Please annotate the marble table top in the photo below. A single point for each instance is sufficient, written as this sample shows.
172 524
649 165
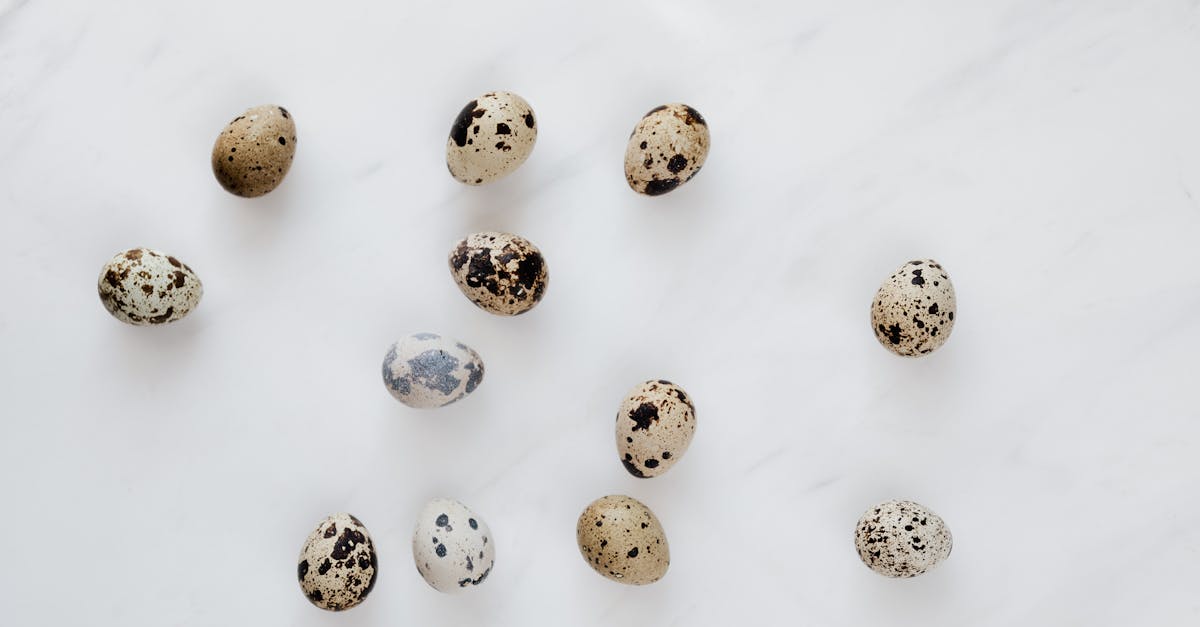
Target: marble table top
1046 153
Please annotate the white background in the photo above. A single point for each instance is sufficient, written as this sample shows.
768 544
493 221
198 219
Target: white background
1046 153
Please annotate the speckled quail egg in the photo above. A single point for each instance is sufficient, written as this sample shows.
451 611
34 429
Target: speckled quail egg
452 546
254 152
143 286
621 538
913 311
492 136
655 425
502 273
902 539
667 148
337 564
426 370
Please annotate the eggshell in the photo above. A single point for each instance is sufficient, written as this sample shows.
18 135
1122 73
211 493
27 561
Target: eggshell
338 566
254 152
913 311
502 273
655 425
426 370
902 539
145 287
620 538
667 148
452 546
492 136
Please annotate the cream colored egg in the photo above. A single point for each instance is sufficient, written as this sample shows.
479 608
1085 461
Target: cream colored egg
427 370
491 137
337 565
913 311
902 539
452 546
655 424
142 286
667 148
501 273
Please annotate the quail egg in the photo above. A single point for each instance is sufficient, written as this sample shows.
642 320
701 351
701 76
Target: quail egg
667 148
621 539
655 425
452 546
338 566
501 273
254 151
913 311
492 136
902 539
426 370
143 287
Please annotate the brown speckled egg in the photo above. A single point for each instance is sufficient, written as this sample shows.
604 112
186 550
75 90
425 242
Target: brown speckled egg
143 286
620 538
254 152
338 567
502 273
655 425
667 148
902 539
913 311
492 136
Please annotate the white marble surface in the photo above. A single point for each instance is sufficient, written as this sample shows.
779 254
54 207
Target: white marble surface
1047 153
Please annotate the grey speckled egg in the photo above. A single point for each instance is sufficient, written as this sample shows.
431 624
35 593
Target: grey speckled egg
143 286
452 546
655 425
502 273
913 311
426 370
492 136
337 564
902 539
620 538
667 148
254 152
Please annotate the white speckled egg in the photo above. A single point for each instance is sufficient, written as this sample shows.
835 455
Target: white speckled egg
621 538
254 152
902 539
655 425
492 136
913 311
337 564
452 546
426 370
143 286
667 148
501 273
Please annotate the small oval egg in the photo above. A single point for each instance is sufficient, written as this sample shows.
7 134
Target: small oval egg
338 566
667 148
902 539
142 286
254 152
621 538
655 425
492 136
913 311
501 273
426 370
452 546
